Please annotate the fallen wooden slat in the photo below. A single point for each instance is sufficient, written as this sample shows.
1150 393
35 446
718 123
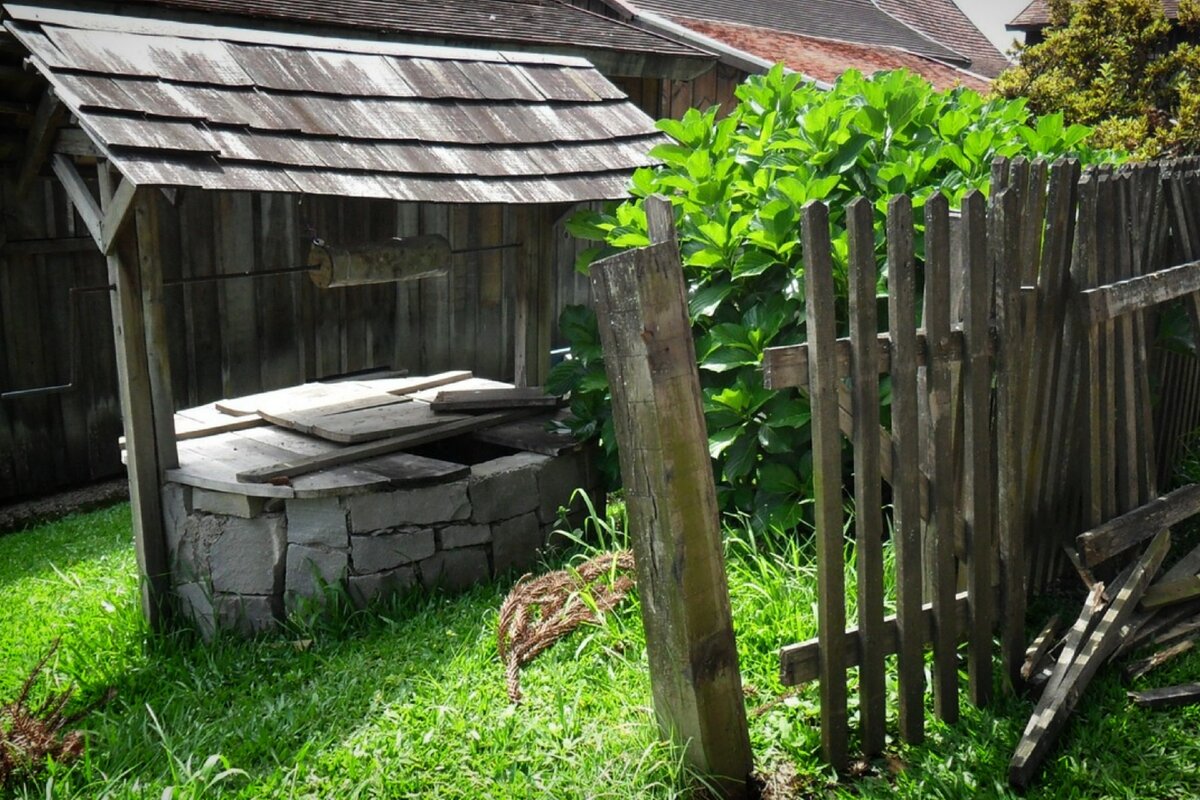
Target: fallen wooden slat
1122 297
1085 574
493 399
1166 594
1179 632
1119 534
1089 615
1057 702
1185 694
1139 668
798 663
1145 624
1039 648
530 435
289 469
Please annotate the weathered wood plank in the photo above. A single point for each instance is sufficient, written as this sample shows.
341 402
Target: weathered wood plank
827 482
1057 702
906 535
80 195
533 435
868 500
1004 233
491 399
1121 297
1185 694
283 471
1039 648
641 301
945 496
786 366
1171 592
977 444
1119 534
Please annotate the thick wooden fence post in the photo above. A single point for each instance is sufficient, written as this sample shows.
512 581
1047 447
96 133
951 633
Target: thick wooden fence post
641 303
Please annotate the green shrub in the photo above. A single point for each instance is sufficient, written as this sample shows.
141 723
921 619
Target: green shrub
738 185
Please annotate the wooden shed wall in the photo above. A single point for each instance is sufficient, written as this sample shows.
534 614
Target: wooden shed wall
243 336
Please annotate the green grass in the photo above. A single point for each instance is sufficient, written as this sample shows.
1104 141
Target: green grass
409 701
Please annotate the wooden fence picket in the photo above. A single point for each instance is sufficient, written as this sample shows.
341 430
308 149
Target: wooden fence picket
823 379
868 495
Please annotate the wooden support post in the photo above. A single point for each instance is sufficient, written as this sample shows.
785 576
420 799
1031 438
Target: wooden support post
51 114
641 302
149 431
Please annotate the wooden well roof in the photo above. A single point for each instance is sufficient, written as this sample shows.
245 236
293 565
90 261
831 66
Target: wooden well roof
240 108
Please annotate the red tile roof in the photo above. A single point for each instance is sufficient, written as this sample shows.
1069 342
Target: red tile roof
826 59
943 21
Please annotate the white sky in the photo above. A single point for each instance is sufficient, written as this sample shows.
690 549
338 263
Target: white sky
990 15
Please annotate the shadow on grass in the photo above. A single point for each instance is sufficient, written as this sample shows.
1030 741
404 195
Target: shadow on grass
64 544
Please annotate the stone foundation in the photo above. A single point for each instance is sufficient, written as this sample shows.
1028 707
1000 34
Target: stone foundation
242 563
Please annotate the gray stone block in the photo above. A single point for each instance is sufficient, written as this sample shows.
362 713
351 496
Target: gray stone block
247 558
384 551
176 504
505 487
557 485
453 536
245 613
231 505
366 589
422 506
515 543
317 521
190 555
195 604
305 564
455 570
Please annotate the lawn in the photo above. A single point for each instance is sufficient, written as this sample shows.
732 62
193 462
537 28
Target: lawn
409 700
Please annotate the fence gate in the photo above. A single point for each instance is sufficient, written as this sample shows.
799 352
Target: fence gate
1019 356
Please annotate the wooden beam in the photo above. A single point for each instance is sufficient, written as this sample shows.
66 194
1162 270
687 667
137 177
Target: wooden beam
674 521
1058 701
1119 534
137 411
51 114
80 196
493 399
74 142
1039 648
786 366
158 356
1185 694
117 214
1171 592
1135 294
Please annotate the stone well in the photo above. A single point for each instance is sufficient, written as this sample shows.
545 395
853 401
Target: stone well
242 563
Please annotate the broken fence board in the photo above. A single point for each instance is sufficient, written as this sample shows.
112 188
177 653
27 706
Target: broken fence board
1119 534
1137 669
1185 694
1172 592
1057 702
1134 294
1039 648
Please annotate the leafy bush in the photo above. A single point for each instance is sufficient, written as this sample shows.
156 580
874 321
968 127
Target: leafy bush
1120 66
738 185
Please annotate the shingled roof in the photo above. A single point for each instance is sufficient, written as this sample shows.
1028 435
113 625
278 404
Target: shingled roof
944 21
1036 15
540 25
243 108
859 21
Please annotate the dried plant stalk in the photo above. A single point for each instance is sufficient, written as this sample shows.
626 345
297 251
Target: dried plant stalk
540 611
30 736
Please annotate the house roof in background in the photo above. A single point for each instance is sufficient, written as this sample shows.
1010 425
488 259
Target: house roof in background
1036 15
217 107
541 25
826 59
944 21
858 21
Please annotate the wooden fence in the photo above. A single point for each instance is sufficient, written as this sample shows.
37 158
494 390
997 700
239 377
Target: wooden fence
1022 413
